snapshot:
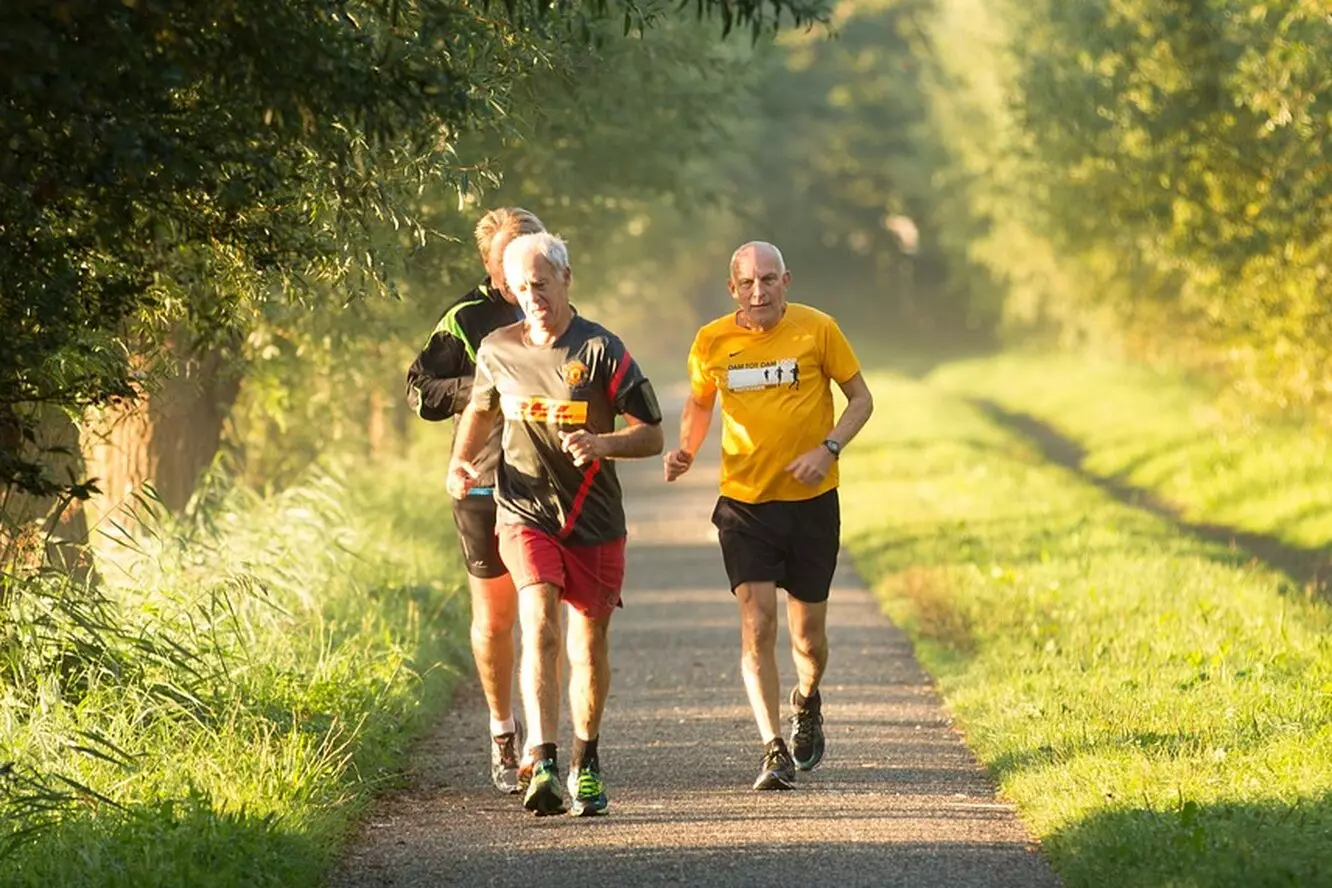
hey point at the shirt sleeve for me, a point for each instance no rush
(628, 389)
(485, 396)
(839, 360)
(440, 379)
(701, 385)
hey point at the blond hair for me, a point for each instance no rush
(513, 221)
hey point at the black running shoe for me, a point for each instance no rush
(807, 732)
(504, 766)
(777, 771)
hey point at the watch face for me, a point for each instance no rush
(833, 447)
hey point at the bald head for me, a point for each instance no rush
(758, 284)
(768, 250)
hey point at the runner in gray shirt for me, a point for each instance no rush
(560, 381)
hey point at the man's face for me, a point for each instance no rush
(542, 290)
(495, 263)
(758, 285)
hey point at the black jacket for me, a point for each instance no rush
(439, 381)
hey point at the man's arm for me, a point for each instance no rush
(636, 440)
(473, 431)
(812, 466)
(694, 422)
(641, 437)
(439, 381)
(859, 406)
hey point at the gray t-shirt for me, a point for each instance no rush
(582, 381)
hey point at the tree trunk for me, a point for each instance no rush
(45, 531)
(166, 439)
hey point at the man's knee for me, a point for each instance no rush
(539, 606)
(542, 638)
(589, 640)
(494, 606)
(759, 631)
(810, 644)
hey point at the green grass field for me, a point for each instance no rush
(1118, 584)
(253, 679)
(1115, 584)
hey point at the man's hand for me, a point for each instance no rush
(812, 466)
(677, 463)
(461, 478)
(583, 446)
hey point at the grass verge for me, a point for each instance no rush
(248, 681)
(1115, 584)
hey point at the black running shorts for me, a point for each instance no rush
(793, 544)
(474, 517)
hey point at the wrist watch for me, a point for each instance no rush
(833, 447)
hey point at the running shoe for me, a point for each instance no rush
(525, 766)
(777, 770)
(504, 764)
(588, 791)
(807, 732)
(543, 793)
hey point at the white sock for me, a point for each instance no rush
(508, 726)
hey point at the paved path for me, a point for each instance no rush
(899, 800)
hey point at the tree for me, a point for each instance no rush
(173, 168)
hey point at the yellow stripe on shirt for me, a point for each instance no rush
(547, 410)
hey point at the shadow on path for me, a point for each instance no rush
(1310, 568)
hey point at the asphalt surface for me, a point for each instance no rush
(898, 801)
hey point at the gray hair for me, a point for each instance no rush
(758, 245)
(549, 246)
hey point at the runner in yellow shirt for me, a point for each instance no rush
(778, 519)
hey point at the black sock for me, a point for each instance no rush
(543, 751)
(801, 701)
(585, 754)
(775, 743)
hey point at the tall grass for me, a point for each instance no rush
(212, 712)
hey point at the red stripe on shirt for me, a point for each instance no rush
(618, 378)
(581, 498)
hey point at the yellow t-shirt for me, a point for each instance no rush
(776, 397)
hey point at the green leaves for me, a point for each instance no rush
(173, 162)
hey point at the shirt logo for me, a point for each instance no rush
(543, 410)
(574, 373)
(766, 374)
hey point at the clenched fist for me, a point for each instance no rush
(583, 446)
(677, 463)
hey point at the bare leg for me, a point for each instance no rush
(494, 612)
(539, 613)
(808, 625)
(758, 657)
(589, 673)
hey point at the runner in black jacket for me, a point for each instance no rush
(439, 386)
